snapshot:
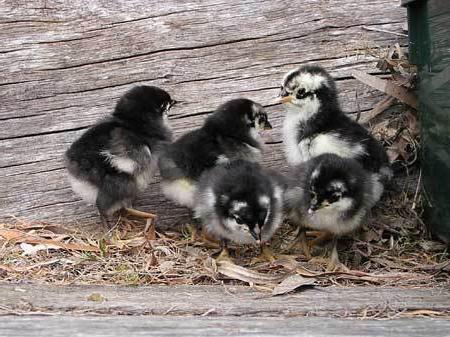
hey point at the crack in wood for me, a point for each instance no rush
(46, 133)
(166, 50)
(67, 40)
(154, 16)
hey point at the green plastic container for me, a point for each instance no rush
(429, 49)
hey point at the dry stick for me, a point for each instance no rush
(383, 31)
(387, 87)
(140, 214)
(377, 109)
(413, 207)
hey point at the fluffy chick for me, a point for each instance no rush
(231, 132)
(315, 124)
(116, 158)
(331, 194)
(239, 202)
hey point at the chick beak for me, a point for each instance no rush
(267, 125)
(173, 102)
(286, 99)
(256, 233)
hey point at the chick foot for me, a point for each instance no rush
(331, 262)
(301, 243)
(224, 256)
(201, 236)
(266, 255)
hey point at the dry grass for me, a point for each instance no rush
(394, 248)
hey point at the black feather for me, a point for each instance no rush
(135, 131)
(226, 132)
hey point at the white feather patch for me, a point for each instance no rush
(377, 189)
(122, 164)
(238, 205)
(330, 218)
(222, 159)
(84, 189)
(295, 115)
(181, 191)
(308, 81)
(264, 200)
(333, 143)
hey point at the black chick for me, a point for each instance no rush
(331, 194)
(231, 132)
(116, 158)
(239, 202)
(315, 124)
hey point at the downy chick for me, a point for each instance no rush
(231, 132)
(239, 202)
(331, 194)
(315, 124)
(116, 158)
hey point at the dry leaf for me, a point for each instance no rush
(33, 249)
(305, 272)
(286, 261)
(292, 283)
(370, 235)
(377, 109)
(234, 271)
(149, 231)
(422, 312)
(166, 266)
(19, 236)
(413, 123)
(388, 87)
(128, 243)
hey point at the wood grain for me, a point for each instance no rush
(223, 301)
(102, 326)
(63, 66)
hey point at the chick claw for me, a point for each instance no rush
(202, 236)
(300, 242)
(332, 262)
(266, 255)
(224, 256)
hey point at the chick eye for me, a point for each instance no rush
(301, 93)
(251, 124)
(239, 220)
(334, 197)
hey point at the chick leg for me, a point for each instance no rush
(266, 255)
(224, 255)
(324, 236)
(300, 242)
(140, 214)
(334, 263)
(202, 236)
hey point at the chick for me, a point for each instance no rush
(315, 124)
(231, 132)
(331, 194)
(239, 202)
(116, 158)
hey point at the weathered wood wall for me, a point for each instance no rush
(64, 64)
(195, 311)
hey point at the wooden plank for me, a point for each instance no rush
(222, 301)
(218, 327)
(64, 65)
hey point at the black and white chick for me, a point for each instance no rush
(239, 202)
(231, 132)
(116, 158)
(331, 194)
(315, 124)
